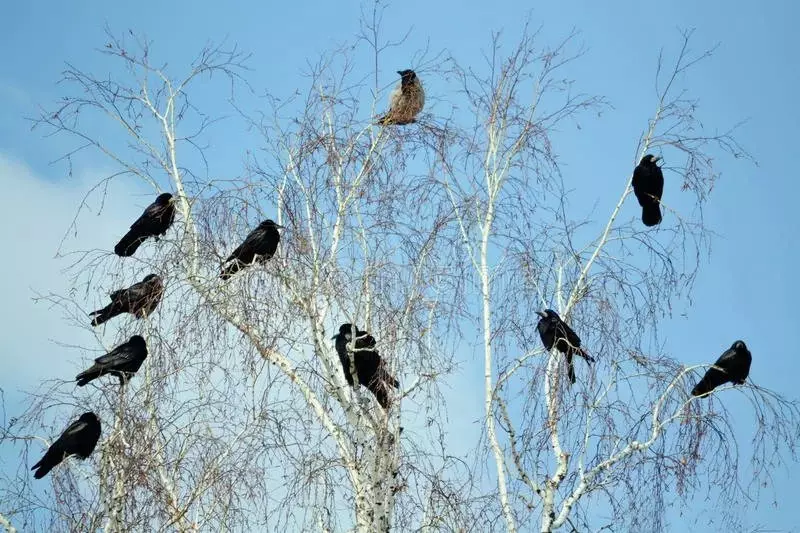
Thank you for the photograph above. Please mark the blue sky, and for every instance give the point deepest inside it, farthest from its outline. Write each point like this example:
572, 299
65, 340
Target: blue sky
740, 292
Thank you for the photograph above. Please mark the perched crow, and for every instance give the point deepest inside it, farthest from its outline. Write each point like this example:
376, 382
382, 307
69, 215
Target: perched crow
371, 369
139, 299
406, 100
733, 366
79, 439
555, 331
155, 221
648, 186
122, 362
260, 245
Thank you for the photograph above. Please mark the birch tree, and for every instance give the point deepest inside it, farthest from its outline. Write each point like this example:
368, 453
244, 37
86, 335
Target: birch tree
241, 418
628, 433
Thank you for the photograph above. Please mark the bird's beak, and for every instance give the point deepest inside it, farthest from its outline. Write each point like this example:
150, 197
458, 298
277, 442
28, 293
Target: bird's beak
541, 314
400, 72
279, 226
657, 158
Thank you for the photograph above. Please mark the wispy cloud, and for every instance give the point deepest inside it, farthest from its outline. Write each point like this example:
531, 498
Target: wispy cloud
35, 214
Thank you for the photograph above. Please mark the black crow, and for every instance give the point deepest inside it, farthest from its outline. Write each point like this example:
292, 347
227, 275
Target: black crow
733, 366
155, 221
260, 245
139, 299
122, 362
371, 369
555, 332
648, 186
79, 439
406, 100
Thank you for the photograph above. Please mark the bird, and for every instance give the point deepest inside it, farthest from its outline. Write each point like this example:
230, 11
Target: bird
155, 221
79, 439
733, 366
140, 299
262, 242
122, 362
648, 186
555, 332
370, 367
406, 100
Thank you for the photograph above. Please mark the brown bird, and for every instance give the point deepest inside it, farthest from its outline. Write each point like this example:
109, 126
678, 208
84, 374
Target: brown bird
139, 299
406, 100
78, 439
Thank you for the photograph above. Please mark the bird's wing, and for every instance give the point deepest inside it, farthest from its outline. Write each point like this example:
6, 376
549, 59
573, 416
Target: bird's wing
118, 356
118, 294
148, 217
395, 96
727, 359
571, 336
712, 379
659, 181
748, 360
137, 290
247, 245
73, 430
235, 253
386, 376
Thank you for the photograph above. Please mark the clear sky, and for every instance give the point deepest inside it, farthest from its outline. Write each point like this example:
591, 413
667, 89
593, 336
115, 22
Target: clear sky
745, 290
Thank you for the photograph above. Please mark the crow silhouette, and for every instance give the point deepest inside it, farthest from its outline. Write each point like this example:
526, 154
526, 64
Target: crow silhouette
155, 221
370, 368
648, 186
140, 299
122, 362
78, 439
556, 332
732, 366
260, 245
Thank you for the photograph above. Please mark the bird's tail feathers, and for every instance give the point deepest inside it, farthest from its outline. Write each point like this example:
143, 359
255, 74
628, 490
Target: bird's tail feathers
386, 377
713, 378
87, 376
128, 245
379, 389
101, 315
44, 466
42, 471
702, 389
651, 214
583, 353
231, 269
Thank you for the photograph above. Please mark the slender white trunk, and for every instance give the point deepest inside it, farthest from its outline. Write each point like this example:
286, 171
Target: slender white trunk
6, 523
499, 457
